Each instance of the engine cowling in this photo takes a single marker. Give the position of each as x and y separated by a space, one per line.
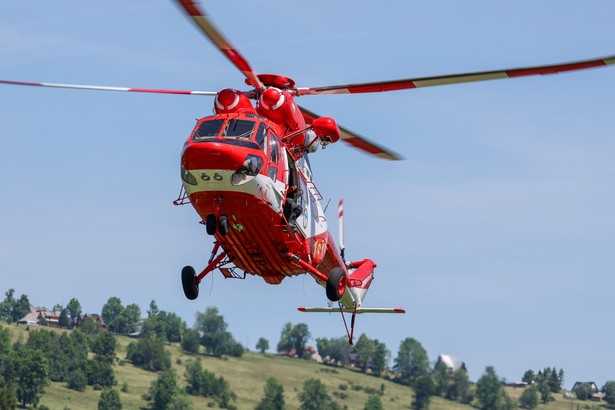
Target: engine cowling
231 101
326 129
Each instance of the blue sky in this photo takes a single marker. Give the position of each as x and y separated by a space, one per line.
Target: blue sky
497 232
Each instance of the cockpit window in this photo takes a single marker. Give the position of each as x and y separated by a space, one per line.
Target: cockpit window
240 129
273 145
260 136
208 129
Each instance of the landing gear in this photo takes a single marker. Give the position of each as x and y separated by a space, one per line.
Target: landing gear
336 284
221 225
210 224
191 288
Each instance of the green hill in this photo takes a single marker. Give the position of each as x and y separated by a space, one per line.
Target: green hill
246 377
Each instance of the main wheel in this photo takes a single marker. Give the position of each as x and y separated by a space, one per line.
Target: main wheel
336 284
210 224
191 288
223 225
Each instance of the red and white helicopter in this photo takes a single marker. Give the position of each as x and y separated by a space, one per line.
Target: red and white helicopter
246 172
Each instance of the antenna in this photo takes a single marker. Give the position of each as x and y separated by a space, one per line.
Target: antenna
340 227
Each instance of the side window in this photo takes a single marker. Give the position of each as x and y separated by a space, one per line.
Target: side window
273 145
261 135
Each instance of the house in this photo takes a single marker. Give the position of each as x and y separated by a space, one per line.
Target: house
36 312
594 388
452 363
94 316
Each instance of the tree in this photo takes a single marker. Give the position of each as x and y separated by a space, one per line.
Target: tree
262 345
545 390
7 305
112 314
74 309
334 349
103 345
504 402
163 390
216 339
380 358
11 309
109 400
583 391
149 354
64 321
373 403
5 341
100 373
294 337
21 308
440 376
175 327
411 362
364 347
8 396
204 383
77 380
459 389
488 389
191 341
529 398
273 396
28 370
180 402
89 327
554 381
130 317
528 377
314 396
423 390
609 392
196 380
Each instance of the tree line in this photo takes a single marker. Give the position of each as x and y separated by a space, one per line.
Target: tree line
64 358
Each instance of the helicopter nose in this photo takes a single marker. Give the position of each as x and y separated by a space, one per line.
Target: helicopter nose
213 155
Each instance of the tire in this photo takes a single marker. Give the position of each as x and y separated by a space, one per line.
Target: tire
223 225
336 284
191 288
210 224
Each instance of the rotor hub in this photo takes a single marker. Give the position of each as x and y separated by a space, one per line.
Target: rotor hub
274 80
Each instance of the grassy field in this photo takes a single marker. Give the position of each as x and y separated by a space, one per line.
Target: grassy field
247 376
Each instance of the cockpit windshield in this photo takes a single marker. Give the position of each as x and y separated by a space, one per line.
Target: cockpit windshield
237 129
240 129
208 129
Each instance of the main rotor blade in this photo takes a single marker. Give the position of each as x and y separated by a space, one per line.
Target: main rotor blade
356 140
104 88
407 83
208 28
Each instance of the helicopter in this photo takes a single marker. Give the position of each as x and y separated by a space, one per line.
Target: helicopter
246 171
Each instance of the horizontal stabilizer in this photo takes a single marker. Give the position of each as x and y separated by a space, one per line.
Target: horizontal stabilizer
347 310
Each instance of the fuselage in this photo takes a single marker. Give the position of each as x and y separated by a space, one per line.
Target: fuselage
234 164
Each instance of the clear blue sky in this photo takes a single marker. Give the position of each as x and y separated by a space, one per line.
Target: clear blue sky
497 233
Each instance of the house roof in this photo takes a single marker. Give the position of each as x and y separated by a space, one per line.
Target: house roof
450 361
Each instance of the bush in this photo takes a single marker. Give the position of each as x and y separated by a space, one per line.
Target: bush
77 380
149 354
